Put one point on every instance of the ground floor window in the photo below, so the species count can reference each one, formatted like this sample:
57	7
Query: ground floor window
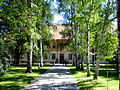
53	56
70	56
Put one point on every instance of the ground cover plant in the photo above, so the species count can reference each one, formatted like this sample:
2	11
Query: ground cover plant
103	83
16	78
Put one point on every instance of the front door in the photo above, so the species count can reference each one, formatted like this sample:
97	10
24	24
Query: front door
61	58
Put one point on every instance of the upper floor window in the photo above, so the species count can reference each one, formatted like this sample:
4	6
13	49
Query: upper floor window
53	45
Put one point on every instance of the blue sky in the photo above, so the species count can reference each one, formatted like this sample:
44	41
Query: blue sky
59	18
115	23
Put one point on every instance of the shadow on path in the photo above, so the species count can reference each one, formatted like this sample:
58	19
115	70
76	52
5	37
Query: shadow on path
59	77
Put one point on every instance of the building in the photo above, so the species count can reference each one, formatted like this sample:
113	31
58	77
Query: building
58	52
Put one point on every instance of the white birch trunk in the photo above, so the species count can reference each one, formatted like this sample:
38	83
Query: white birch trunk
41	55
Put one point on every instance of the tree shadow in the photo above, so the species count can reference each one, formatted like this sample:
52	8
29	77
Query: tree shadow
40	71
52	86
89	84
13	82
10	87
17	78
107	70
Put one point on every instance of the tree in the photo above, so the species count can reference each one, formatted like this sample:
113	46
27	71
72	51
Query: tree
41	21
118	24
4	55
103	50
21	20
41	55
94	18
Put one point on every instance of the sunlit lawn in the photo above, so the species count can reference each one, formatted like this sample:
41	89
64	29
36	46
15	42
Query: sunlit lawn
103	83
16	78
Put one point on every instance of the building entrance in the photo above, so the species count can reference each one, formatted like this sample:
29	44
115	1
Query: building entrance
61	58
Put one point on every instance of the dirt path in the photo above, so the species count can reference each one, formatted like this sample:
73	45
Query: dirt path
59	77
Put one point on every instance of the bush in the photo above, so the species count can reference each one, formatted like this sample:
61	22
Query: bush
3	66
4	56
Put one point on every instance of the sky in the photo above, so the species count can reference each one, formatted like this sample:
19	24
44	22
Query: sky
115	23
57	17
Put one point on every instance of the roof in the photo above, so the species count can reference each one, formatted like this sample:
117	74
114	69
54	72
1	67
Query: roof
56	31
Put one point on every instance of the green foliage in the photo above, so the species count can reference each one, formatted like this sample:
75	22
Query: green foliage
4	56
16	79
95	16
87	83
20	20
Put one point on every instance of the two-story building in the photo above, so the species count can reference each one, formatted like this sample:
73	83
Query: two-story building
58	52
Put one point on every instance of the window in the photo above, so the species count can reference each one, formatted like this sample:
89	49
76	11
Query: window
70	56
53	45
53	56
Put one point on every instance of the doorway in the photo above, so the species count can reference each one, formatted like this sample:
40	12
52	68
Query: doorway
61	58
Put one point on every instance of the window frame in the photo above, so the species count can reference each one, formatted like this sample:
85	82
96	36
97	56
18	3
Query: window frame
53	45
53	55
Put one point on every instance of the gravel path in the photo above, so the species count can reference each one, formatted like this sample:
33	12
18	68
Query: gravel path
58	77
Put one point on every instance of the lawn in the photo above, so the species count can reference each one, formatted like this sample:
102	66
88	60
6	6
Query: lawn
16	78
103	83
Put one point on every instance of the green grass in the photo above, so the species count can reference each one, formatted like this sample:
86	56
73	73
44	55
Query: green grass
103	83
16	78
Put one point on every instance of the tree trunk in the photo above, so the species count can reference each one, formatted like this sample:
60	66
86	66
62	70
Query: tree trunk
17	53
41	56
76	54
117	65
17	56
29	62
73	63
77	65
88	53
82	63
93	57
82	56
76	48
93	60
118	24
97	70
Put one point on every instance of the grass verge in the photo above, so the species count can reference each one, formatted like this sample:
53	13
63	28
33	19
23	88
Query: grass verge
103	83
16	78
